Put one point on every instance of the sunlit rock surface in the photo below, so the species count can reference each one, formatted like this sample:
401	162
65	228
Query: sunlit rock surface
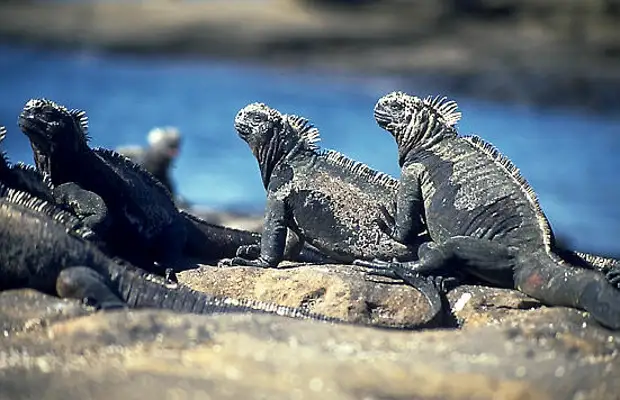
509	348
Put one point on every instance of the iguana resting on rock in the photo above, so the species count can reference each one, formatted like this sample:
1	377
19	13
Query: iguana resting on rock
325	198
479	212
42	248
146	226
68	196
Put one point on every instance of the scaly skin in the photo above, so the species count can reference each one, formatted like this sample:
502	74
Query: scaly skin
146	226
67	196
326	199
43	248
480	212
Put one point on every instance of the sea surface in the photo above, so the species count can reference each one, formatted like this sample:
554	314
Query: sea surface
569	157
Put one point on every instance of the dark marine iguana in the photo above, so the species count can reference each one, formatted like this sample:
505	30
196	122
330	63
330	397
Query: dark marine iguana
479	212
146	226
43	248
325	198
68	196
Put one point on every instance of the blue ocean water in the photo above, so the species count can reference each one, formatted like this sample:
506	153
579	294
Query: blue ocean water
569	158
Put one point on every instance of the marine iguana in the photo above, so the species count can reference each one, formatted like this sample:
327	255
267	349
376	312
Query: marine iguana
325	198
479	211
42	248
146	226
69	196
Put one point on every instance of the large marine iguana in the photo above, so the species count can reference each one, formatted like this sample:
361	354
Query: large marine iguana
42	248
69	196
325	198
479	211
146	226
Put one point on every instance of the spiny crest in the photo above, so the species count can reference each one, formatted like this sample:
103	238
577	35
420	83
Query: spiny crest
599	262
368	174
3	157
43	102
448	110
71	223
114	158
45	178
494	154
81	119
308	133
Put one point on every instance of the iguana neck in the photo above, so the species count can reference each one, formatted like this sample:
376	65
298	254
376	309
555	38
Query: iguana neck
423	137
280	148
72	166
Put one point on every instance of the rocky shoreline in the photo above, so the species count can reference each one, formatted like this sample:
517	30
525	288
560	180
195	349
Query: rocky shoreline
533	52
507	347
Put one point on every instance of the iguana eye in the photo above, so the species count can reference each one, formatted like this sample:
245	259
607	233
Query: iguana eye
396	106
257	118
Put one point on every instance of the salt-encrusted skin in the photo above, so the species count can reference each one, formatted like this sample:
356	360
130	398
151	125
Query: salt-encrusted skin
480	212
327	199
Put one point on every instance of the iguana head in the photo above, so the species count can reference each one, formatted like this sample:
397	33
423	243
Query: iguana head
272	135
257	123
53	130
414	121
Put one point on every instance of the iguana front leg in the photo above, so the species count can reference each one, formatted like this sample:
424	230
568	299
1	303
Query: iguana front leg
87	205
273	238
407	222
86	284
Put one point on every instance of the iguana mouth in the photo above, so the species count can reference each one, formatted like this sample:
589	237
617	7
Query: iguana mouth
242	129
383	118
36	130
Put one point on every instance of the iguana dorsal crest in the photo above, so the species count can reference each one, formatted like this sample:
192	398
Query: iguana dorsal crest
504	162
362	170
3	156
447	110
71	223
35	103
308	133
115	158
45	178
81	119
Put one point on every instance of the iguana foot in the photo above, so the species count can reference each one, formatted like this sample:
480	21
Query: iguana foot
249	251
240	261
88	206
405	273
386	223
380	268
613	276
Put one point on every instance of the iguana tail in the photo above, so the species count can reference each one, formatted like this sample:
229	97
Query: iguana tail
557	283
211	242
147	291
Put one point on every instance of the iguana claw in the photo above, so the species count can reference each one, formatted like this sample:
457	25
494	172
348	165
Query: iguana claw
240	261
249	251
613	277
386	223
